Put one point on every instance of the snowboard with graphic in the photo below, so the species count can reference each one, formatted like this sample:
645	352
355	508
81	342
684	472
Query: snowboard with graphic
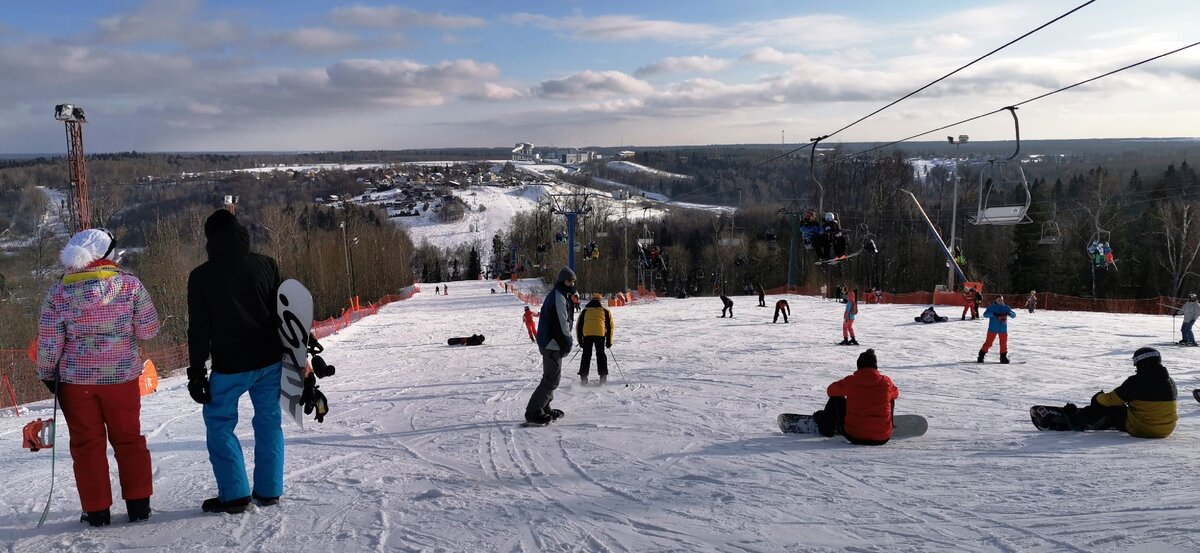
295	309
903	426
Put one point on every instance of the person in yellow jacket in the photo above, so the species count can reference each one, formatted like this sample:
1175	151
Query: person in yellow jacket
1143	405
594	330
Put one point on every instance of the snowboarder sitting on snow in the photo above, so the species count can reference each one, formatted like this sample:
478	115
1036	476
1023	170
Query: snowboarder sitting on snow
728	306
782	308
860	406
1143	405
529	325
1190	311
594	330
999	314
554	342
930	316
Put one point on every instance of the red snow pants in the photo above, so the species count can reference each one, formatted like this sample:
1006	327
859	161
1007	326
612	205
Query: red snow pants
97	415
532	331
847	329
991	337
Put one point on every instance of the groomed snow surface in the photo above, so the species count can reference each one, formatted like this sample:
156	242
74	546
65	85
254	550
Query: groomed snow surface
422	450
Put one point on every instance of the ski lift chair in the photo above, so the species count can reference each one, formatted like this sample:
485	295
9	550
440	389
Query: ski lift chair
1004	196
1051	234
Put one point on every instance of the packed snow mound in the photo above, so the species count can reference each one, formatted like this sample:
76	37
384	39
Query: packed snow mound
490	211
422	450
631	167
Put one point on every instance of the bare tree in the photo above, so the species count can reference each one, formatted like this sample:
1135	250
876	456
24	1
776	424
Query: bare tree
1181	241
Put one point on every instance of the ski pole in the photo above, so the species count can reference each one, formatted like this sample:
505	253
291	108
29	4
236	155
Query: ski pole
619	371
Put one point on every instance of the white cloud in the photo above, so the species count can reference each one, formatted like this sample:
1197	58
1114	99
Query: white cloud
938	43
769	55
609	28
685	64
168	21
396	17
591	84
320	40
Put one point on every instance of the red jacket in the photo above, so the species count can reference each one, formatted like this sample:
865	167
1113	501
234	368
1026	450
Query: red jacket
529	315
869	396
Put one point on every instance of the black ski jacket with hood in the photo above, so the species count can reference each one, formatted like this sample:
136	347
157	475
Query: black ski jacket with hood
231	303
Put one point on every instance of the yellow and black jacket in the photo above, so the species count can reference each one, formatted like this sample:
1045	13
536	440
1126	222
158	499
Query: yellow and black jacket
1149	397
595	320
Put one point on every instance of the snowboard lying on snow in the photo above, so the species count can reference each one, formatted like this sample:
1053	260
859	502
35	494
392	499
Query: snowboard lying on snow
472	340
903	426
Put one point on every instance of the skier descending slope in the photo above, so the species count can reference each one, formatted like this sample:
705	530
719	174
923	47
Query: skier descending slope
998	313
554	342
530	326
231	307
87	341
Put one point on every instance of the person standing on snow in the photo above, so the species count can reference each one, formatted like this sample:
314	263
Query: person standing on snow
860	406
554	342
594	330
848	315
1190	311
1144	405
968	300
762	296
88	356
999	313
1031	301
782	308
976	302
529	325
232	316
728	306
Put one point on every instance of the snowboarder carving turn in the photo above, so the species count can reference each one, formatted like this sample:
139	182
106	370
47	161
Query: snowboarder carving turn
554	342
998	314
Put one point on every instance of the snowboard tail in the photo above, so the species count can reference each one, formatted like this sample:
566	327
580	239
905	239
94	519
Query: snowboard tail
295	309
903	426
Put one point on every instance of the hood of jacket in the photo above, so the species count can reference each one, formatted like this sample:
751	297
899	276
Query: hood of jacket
231	243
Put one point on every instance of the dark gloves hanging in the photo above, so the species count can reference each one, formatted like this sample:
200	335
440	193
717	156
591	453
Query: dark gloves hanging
50	385
198	388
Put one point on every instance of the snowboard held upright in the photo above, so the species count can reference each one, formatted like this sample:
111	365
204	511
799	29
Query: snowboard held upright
295	309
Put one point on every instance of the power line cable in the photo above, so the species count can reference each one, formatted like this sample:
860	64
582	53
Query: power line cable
1023	102
939	79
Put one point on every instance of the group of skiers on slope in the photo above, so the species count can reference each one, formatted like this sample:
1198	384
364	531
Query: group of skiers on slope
88	357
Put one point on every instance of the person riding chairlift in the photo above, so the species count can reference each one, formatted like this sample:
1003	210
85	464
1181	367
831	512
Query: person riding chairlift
834	241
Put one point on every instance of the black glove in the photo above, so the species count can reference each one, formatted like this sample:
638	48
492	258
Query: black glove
50	385
608	344
198	387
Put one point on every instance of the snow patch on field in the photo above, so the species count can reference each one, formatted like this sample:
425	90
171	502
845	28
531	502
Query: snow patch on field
631	167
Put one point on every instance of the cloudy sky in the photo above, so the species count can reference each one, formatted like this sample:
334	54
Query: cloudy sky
171	75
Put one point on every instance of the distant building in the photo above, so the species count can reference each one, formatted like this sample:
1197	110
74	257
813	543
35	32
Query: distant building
625	153
523	151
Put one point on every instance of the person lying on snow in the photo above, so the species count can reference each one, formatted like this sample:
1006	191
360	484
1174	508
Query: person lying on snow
930	316
860	406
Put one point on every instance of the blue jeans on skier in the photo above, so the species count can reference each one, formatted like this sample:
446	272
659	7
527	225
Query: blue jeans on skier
224	449
1188	337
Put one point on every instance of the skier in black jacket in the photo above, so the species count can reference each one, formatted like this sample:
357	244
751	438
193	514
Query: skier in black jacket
231	310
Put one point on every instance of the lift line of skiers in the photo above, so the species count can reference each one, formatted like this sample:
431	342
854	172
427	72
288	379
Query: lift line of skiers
860	406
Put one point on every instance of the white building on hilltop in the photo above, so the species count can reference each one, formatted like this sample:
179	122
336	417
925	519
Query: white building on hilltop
523	151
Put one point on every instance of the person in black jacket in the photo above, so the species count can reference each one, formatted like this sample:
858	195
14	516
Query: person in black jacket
728	306
782	308
231	310
554	343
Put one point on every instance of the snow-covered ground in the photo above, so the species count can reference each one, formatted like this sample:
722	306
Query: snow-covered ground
422	450
631	167
502	203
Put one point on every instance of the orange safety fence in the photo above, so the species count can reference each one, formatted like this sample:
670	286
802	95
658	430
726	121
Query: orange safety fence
18	374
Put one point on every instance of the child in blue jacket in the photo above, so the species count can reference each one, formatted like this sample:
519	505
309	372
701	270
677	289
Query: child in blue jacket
998	313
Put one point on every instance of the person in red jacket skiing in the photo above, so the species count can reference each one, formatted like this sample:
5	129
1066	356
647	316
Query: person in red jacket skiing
529	325
860	406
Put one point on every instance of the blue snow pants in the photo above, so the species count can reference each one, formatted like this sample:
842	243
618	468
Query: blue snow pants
224	449
1188	336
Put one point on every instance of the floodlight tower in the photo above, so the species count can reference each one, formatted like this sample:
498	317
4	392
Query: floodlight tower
78	206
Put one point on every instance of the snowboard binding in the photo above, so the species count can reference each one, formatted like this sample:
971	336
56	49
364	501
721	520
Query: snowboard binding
38	434
320	367
313	399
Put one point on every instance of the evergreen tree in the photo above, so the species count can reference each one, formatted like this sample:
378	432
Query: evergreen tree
474	267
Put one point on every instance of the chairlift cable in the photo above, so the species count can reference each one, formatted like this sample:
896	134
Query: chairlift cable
939	79
1023	102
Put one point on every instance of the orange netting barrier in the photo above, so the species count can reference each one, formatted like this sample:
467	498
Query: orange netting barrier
18	375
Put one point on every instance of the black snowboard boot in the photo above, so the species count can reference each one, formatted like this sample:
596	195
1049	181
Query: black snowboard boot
139	509
97	518
264	501
981	354
538	418
1004	358
554	414
583	379
854	341
844	342
234	506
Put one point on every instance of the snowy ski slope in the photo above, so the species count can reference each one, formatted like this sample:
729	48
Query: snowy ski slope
422	450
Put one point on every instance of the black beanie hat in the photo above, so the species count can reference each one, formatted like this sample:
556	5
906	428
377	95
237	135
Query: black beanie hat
218	221
867	360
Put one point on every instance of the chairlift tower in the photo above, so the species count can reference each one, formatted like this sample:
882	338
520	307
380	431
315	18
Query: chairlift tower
962	139
571	206
78	207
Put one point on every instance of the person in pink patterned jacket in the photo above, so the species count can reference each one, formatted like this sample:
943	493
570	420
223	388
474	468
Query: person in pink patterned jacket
88	356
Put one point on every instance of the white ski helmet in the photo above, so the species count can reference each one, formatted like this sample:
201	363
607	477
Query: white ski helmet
829	216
